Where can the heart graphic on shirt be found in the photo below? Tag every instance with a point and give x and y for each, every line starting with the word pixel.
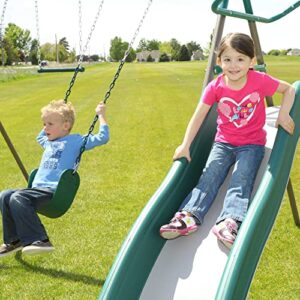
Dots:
pixel 239 113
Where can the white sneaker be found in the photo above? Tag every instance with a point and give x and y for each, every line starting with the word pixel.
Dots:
pixel 38 247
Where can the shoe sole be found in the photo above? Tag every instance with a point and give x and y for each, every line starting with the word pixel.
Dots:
pixel 33 250
pixel 11 252
pixel 220 238
pixel 173 234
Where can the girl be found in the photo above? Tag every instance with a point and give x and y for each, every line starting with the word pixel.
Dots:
pixel 239 141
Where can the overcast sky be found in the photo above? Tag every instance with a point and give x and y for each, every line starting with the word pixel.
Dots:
pixel 185 20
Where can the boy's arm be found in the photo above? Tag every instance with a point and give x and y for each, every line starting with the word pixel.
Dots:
pixel 103 136
pixel 288 95
pixel 41 138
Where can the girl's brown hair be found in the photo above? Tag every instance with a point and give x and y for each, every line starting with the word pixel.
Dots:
pixel 240 42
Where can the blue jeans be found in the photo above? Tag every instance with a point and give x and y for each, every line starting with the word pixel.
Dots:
pixel 19 217
pixel 246 160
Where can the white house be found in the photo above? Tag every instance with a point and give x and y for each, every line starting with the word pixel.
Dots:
pixel 197 55
pixel 294 52
pixel 144 55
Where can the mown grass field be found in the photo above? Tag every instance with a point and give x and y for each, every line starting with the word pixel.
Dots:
pixel 148 112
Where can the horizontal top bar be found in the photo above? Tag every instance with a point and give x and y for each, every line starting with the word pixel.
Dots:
pixel 216 8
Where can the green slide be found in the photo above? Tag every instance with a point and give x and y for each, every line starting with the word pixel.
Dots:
pixel 148 267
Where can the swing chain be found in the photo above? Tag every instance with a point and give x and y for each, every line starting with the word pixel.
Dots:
pixel 2 24
pixel 37 31
pixel 111 86
pixel 123 60
pixel 72 82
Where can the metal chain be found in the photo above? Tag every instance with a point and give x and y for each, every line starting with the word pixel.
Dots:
pixel 111 86
pixel 1 29
pixel 37 31
pixel 80 26
pixel 72 82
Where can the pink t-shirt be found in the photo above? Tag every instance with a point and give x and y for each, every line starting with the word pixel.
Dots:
pixel 241 113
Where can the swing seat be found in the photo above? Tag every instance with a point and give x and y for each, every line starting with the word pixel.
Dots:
pixel 64 195
pixel 55 70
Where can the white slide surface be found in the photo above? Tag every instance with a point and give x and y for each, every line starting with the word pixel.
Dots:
pixel 190 268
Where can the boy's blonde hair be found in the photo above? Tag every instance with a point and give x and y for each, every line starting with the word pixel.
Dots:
pixel 65 110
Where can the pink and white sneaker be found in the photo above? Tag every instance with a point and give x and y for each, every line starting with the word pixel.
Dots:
pixel 181 224
pixel 226 232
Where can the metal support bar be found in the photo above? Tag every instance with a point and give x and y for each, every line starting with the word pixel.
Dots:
pixel 257 46
pixel 13 151
pixel 217 35
pixel 293 202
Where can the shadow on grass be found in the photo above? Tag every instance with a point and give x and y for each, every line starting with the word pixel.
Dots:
pixel 60 274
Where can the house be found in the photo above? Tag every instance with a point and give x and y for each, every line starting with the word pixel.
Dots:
pixel 146 55
pixel 197 55
pixel 294 52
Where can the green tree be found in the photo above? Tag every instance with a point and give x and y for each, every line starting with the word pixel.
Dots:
pixel 183 54
pixel 148 45
pixel 63 42
pixel 142 46
pixel 165 47
pixel 175 45
pixel 4 57
pixel 33 54
pixel 48 52
pixel 117 48
pixel 19 42
pixel 274 52
pixel 192 47
pixel 164 57
pixel 12 54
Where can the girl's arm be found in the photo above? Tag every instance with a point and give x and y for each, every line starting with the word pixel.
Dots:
pixel 193 127
pixel 288 95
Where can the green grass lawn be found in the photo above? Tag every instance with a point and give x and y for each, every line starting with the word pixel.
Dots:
pixel 148 112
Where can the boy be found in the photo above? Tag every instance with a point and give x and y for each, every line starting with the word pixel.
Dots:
pixel 22 228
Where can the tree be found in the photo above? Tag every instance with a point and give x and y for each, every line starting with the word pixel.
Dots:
pixel 153 45
pixel 117 48
pixel 19 42
pixel 4 56
pixel 183 54
pixel 175 49
pixel 48 52
pixel 142 46
pixel 63 42
pixel 148 45
pixel 192 47
pixel 33 54
pixel 10 51
pixel 274 52
pixel 206 50
pixel 165 47
pixel 164 57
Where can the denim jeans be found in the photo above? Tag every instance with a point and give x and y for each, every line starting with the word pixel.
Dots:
pixel 246 160
pixel 19 217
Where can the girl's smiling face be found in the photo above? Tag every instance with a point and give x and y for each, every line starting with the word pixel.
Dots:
pixel 235 67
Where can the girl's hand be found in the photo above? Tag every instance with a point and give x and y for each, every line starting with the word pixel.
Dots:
pixel 286 122
pixel 100 109
pixel 182 151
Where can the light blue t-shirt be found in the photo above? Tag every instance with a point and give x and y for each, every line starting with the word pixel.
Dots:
pixel 61 154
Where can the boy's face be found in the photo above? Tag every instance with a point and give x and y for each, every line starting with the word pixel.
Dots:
pixel 54 126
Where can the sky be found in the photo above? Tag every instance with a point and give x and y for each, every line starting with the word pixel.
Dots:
pixel 184 20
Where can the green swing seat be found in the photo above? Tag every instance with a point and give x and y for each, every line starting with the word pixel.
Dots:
pixel 63 196
pixel 54 70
